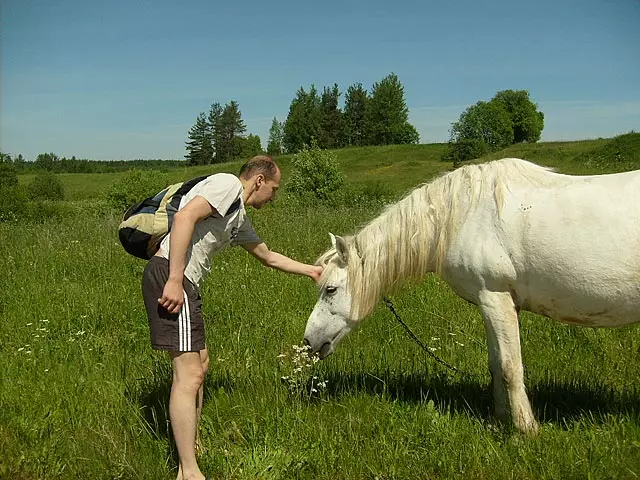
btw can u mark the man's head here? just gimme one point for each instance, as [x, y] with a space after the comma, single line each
[260, 177]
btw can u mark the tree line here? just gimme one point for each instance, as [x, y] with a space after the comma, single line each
[376, 118]
[53, 163]
[379, 117]
[220, 136]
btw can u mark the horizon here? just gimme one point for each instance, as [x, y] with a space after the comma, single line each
[124, 81]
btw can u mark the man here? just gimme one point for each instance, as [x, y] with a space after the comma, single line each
[211, 217]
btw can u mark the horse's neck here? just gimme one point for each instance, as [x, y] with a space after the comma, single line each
[404, 237]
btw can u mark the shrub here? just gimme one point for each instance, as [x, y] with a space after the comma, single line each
[465, 149]
[315, 171]
[134, 186]
[620, 154]
[13, 201]
[45, 186]
[39, 211]
[8, 176]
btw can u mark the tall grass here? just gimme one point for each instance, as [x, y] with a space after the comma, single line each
[83, 395]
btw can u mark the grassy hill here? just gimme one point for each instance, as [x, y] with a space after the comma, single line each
[397, 168]
[83, 396]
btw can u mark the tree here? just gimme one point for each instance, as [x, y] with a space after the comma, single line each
[387, 113]
[276, 133]
[250, 146]
[19, 162]
[481, 128]
[47, 161]
[330, 135]
[213, 120]
[355, 115]
[230, 131]
[526, 120]
[199, 147]
[303, 121]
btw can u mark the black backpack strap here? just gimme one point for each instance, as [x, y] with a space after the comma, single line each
[233, 207]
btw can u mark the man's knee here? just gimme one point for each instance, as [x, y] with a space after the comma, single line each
[188, 372]
[204, 360]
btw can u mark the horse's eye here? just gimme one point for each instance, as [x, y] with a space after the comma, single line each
[331, 290]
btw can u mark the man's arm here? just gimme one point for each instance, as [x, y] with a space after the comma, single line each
[281, 262]
[181, 233]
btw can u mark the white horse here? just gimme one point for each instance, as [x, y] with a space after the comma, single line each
[507, 236]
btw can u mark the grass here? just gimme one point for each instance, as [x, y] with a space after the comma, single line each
[83, 395]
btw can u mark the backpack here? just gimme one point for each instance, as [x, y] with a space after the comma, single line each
[146, 223]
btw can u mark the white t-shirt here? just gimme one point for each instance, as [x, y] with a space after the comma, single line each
[230, 226]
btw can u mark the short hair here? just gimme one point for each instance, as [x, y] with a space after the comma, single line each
[259, 164]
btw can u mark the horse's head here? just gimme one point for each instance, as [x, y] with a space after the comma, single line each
[331, 319]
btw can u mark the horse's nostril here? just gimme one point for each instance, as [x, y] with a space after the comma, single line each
[306, 342]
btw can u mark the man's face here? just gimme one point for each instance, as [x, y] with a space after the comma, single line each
[266, 191]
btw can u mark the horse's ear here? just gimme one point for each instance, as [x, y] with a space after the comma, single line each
[333, 239]
[340, 244]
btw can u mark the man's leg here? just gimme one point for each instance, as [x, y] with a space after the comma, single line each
[204, 361]
[188, 376]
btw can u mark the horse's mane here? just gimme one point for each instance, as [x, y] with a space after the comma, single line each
[411, 237]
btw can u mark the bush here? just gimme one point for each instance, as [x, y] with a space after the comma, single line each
[12, 205]
[316, 172]
[621, 154]
[8, 176]
[134, 186]
[464, 150]
[45, 186]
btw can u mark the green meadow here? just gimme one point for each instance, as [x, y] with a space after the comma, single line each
[82, 395]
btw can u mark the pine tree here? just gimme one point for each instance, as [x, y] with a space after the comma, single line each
[303, 122]
[230, 131]
[212, 122]
[199, 147]
[330, 135]
[250, 146]
[276, 132]
[388, 114]
[355, 116]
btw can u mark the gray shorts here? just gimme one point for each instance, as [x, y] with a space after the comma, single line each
[179, 332]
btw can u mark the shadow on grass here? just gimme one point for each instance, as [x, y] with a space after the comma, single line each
[457, 394]
[555, 402]
[561, 402]
[152, 396]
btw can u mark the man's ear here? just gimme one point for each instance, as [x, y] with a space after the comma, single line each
[341, 247]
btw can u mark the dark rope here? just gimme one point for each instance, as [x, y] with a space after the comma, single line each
[416, 339]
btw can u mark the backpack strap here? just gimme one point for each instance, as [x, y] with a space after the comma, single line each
[233, 207]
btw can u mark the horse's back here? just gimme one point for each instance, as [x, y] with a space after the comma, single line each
[566, 247]
[579, 253]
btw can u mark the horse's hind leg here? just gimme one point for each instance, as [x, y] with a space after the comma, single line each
[505, 360]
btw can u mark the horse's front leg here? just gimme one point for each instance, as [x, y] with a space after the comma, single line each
[505, 360]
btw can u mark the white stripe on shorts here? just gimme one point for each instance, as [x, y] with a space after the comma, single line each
[184, 326]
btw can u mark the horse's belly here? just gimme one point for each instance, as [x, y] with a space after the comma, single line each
[581, 264]
[611, 307]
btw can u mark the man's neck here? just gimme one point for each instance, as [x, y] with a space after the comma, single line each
[248, 187]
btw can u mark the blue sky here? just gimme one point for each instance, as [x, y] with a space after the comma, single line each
[126, 79]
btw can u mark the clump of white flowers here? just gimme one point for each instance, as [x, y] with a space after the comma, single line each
[298, 365]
